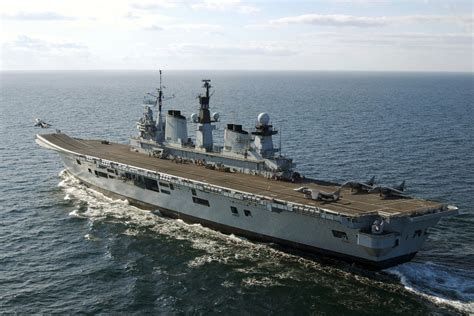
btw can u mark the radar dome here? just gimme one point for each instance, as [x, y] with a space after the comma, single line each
[194, 117]
[215, 116]
[263, 118]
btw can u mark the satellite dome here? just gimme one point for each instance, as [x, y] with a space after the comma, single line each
[215, 116]
[263, 118]
[194, 117]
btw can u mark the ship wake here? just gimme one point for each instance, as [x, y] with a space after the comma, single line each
[440, 284]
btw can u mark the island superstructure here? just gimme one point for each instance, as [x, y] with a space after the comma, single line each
[239, 153]
[247, 187]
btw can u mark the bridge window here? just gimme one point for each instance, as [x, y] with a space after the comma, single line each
[247, 213]
[165, 191]
[78, 162]
[200, 201]
[417, 233]
[234, 210]
[339, 234]
[164, 184]
[193, 191]
[171, 186]
[89, 169]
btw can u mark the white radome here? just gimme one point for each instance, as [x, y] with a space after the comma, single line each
[194, 117]
[215, 116]
[263, 118]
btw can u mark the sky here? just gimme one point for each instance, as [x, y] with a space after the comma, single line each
[359, 35]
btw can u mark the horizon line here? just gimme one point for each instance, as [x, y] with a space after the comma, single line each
[243, 70]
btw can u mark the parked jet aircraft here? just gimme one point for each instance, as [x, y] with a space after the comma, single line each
[360, 186]
[390, 191]
[320, 195]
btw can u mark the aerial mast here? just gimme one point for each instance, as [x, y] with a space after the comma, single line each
[280, 143]
[160, 136]
[204, 129]
[204, 114]
[160, 96]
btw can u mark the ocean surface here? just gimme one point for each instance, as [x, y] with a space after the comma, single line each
[65, 248]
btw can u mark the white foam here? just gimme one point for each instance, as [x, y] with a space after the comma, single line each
[131, 232]
[433, 282]
[227, 284]
[75, 213]
[199, 261]
[262, 282]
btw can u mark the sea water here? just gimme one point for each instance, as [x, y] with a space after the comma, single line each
[68, 249]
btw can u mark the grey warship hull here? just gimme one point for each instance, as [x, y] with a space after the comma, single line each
[254, 206]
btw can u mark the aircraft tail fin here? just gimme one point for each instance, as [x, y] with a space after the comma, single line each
[401, 187]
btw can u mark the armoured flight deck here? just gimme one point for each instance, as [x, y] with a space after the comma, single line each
[350, 204]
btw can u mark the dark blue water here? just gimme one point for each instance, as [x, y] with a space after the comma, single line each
[68, 249]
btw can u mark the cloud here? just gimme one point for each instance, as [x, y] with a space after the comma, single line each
[196, 27]
[247, 9]
[225, 5]
[261, 26]
[450, 37]
[425, 41]
[154, 28]
[209, 5]
[187, 27]
[362, 1]
[331, 20]
[230, 50]
[460, 19]
[26, 53]
[421, 40]
[156, 5]
[366, 21]
[37, 16]
[27, 43]
[131, 16]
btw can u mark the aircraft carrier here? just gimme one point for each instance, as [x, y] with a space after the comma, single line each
[248, 188]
